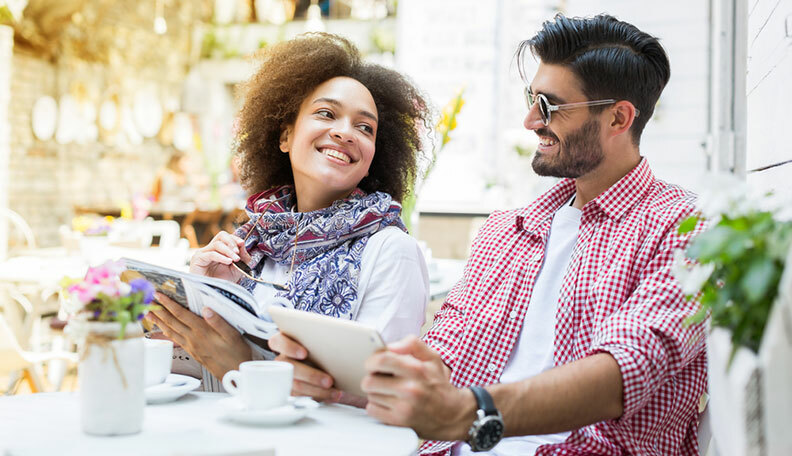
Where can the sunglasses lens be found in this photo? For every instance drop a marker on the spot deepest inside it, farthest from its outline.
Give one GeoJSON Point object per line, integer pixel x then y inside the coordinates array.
{"type": "Point", "coordinates": [544, 111]}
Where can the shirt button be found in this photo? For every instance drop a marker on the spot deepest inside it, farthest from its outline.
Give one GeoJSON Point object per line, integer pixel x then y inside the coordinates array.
{"type": "Point", "coordinates": [513, 314]}
{"type": "Point", "coordinates": [492, 367]}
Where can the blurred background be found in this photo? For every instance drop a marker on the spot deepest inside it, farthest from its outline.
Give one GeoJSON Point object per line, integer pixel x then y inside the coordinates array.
{"type": "Point", "coordinates": [112, 105]}
{"type": "Point", "coordinates": [117, 116]}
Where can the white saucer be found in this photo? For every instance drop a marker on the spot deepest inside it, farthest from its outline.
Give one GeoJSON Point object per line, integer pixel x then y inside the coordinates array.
{"type": "Point", "coordinates": [174, 387]}
{"type": "Point", "coordinates": [296, 409]}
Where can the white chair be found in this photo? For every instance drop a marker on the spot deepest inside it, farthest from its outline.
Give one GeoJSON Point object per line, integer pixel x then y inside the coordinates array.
{"type": "Point", "coordinates": [21, 225]}
{"type": "Point", "coordinates": [23, 365]}
{"type": "Point", "coordinates": [168, 232]}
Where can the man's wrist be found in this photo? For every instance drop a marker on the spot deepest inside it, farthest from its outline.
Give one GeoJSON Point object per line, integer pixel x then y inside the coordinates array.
{"type": "Point", "coordinates": [465, 416]}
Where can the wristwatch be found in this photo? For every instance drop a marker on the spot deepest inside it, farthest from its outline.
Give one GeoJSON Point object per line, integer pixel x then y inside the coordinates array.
{"type": "Point", "coordinates": [487, 430]}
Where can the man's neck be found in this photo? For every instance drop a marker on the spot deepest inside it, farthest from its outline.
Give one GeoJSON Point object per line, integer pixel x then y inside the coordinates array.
{"type": "Point", "coordinates": [592, 184]}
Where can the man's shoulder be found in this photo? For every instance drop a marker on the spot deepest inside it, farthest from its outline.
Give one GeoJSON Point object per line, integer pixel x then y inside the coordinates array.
{"type": "Point", "coordinates": [501, 220]}
{"type": "Point", "coordinates": [666, 202]}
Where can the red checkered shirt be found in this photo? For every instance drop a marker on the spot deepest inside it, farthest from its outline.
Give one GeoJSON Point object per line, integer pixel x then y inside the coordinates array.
{"type": "Point", "coordinates": [618, 296]}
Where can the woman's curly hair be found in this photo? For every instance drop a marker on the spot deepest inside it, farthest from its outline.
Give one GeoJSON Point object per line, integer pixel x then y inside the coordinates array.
{"type": "Point", "coordinates": [289, 72]}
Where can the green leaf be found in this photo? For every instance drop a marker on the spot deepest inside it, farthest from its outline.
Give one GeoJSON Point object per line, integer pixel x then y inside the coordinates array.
{"type": "Point", "coordinates": [758, 278]}
{"type": "Point", "coordinates": [708, 246]}
{"type": "Point", "coordinates": [688, 224]}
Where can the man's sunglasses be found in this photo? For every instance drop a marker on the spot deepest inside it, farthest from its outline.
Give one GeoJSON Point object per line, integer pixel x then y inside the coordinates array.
{"type": "Point", "coordinates": [545, 108]}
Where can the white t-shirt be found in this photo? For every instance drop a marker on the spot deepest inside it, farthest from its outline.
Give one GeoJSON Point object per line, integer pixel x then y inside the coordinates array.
{"type": "Point", "coordinates": [393, 288]}
{"type": "Point", "coordinates": [533, 352]}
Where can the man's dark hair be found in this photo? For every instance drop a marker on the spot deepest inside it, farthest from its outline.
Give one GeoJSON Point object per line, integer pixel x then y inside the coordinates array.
{"type": "Point", "coordinates": [612, 59]}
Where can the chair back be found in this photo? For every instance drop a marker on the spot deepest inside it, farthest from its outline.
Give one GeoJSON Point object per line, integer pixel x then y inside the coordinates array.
{"type": "Point", "coordinates": [11, 359]}
{"type": "Point", "coordinates": [168, 232]}
{"type": "Point", "coordinates": [20, 225]}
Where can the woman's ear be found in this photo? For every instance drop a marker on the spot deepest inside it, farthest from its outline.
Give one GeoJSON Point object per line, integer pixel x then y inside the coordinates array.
{"type": "Point", "coordinates": [285, 138]}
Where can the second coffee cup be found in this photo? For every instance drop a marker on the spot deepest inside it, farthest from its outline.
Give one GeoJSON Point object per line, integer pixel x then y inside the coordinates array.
{"type": "Point", "coordinates": [260, 384]}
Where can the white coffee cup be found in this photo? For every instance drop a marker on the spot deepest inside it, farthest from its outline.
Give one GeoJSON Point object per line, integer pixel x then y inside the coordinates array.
{"type": "Point", "coordinates": [158, 360]}
{"type": "Point", "coordinates": [260, 384]}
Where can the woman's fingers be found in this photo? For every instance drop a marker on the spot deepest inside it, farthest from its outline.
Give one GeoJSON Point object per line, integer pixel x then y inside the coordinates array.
{"type": "Point", "coordinates": [308, 374]}
{"type": "Point", "coordinates": [320, 394]}
{"type": "Point", "coordinates": [287, 346]}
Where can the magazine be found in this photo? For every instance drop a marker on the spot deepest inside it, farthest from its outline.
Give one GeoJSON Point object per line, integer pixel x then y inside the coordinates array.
{"type": "Point", "coordinates": [232, 302]}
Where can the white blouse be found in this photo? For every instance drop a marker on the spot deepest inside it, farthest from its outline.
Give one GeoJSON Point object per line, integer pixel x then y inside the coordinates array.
{"type": "Point", "coordinates": [393, 290]}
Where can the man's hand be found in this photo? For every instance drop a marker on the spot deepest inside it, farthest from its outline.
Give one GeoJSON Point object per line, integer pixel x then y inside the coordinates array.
{"type": "Point", "coordinates": [408, 385]}
{"type": "Point", "coordinates": [210, 340]}
{"type": "Point", "coordinates": [308, 380]}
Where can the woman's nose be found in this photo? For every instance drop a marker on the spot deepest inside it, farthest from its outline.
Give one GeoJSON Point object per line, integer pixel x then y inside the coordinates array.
{"type": "Point", "coordinates": [342, 131]}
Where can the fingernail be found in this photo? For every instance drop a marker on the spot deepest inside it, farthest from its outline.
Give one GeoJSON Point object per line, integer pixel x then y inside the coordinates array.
{"type": "Point", "coordinates": [207, 312]}
{"type": "Point", "coordinates": [336, 396]}
{"type": "Point", "coordinates": [237, 258]}
{"type": "Point", "coordinates": [326, 382]}
{"type": "Point", "coordinates": [302, 353]}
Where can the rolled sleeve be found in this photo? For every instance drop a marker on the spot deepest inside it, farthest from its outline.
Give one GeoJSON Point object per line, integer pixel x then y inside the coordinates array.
{"type": "Point", "coordinates": [648, 337]}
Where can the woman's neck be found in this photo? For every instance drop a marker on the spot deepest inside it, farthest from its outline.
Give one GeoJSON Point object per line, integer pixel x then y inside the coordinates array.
{"type": "Point", "coordinates": [309, 201]}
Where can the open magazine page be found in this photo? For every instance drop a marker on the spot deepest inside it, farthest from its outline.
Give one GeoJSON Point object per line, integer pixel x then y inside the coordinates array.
{"type": "Point", "coordinates": [232, 302]}
{"type": "Point", "coordinates": [200, 295]}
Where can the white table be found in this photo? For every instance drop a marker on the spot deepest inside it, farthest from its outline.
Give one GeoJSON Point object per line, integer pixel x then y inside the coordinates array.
{"type": "Point", "coordinates": [49, 424]}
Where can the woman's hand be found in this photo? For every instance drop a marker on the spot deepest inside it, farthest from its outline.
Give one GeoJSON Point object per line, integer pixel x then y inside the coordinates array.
{"type": "Point", "coordinates": [215, 260]}
{"type": "Point", "coordinates": [210, 340]}
{"type": "Point", "coordinates": [308, 380]}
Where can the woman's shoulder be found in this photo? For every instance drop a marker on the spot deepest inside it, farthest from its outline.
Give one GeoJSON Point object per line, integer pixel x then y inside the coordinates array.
{"type": "Point", "coordinates": [392, 237]}
{"type": "Point", "coordinates": [394, 244]}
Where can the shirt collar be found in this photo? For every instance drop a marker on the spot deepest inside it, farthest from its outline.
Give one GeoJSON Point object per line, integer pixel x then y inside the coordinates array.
{"type": "Point", "coordinates": [621, 196]}
{"type": "Point", "coordinates": [614, 202]}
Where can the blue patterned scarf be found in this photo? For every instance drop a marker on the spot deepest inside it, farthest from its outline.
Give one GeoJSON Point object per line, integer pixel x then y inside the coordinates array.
{"type": "Point", "coordinates": [329, 245]}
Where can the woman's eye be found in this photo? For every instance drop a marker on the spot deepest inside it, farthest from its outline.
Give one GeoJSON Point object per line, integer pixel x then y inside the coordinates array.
{"type": "Point", "coordinates": [325, 113]}
{"type": "Point", "coordinates": [366, 128]}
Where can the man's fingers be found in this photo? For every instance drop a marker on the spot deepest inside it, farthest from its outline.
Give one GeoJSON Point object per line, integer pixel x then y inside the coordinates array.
{"type": "Point", "coordinates": [391, 363]}
{"type": "Point", "coordinates": [287, 346]}
{"type": "Point", "coordinates": [383, 385]}
{"type": "Point", "coordinates": [411, 345]}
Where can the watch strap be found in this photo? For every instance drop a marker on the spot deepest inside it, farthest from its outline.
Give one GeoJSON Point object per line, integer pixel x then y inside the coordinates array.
{"type": "Point", "coordinates": [484, 400]}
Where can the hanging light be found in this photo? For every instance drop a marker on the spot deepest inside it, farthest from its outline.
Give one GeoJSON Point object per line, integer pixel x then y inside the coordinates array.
{"type": "Point", "coordinates": [160, 26]}
{"type": "Point", "coordinates": [314, 21]}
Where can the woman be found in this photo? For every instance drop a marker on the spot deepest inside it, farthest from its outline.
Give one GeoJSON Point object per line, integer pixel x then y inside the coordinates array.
{"type": "Point", "coordinates": [328, 144]}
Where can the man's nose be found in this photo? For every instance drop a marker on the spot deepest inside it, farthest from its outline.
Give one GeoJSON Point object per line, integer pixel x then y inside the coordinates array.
{"type": "Point", "coordinates": [533, 120]}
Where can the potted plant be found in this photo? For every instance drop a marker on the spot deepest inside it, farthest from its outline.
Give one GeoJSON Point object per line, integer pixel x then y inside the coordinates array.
{"type": "Point", "coordinates": [105, 313]}
{"type": "Point", "coordinates": [739, 276]}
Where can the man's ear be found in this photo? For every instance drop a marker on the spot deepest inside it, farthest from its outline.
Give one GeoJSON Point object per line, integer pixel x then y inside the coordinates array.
{"type": "Point", "coordinates": [623, 114]}
{"type": "Point", "coordinates": [285, 138]}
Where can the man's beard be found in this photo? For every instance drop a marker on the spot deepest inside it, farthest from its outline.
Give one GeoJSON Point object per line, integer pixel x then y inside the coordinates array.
{"type": "Point", "coordinates": [580, 153]}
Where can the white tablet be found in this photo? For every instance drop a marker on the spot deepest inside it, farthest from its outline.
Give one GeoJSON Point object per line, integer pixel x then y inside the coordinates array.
{"type": "Point", "coordinates": [338, 347]}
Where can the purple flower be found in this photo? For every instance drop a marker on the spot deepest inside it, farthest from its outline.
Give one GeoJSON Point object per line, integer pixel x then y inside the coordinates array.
{"type": "Point", "coordinates": [143, 286]}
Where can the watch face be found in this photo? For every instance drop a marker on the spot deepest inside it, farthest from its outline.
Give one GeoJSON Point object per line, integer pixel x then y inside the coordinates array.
{"type": "Point", "coordinates": [489, 433]}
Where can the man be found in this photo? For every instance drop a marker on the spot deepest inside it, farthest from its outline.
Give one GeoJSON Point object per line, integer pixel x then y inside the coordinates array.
{"type": "Point", "coordinates": [567, 311]}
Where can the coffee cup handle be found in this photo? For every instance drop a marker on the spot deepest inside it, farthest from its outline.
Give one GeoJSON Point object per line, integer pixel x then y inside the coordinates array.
{"type": "Point", "coordinates": [228, 378]}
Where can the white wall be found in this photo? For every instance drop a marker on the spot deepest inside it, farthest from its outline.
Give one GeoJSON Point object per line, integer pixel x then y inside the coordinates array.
{"type": "Point", "coordinates": [674, 139]}
{"type": "Point", "coordinates": [769, 92]}
{"type": "Point", "coordinates": [446, 44]}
